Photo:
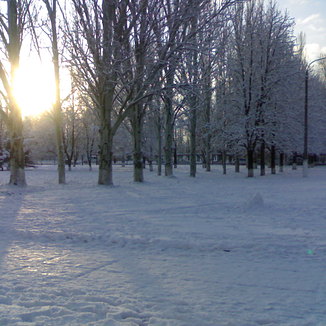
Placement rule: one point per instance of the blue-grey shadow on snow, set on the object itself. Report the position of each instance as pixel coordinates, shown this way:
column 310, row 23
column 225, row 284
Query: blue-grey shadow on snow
column 11, row 201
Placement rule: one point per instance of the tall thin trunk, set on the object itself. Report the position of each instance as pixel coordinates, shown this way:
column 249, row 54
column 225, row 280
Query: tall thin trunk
column 250, row 162
column 60, row 148
column 273, row 164
column 139, row 108
column 208, row 154
column 123, row 159
column 57, row 113
column 169, row 121
column 168, row 139
column 106, row 141
column 105, row 175
column 159, row 145
column 281, row 161
column 17, row 157
column 294, row 161
column 175, row 155
column 193, row 127
column 237, row 164
column 255, row 160
column 224, row 161
column 207, row 113
column 203, row 157
column 89, row 148
column 137, row 139
column 262, row 159
column 150, row 160
column 105, row 156
column 194, row 72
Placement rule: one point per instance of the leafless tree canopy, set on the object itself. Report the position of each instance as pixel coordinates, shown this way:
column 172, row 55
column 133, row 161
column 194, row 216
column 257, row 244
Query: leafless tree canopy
column 160, row 80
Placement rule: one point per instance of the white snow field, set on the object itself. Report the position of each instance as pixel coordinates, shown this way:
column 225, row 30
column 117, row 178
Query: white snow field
column 210, row 251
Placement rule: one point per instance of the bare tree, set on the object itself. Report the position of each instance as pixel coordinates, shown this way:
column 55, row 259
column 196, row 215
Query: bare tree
column 262, row 47
column 56, row 110
column 194, row 98
column 71, row 132
column 89, row 135
column 12, row 26
column 117, row 50
column 199, row 16
column 107, row 56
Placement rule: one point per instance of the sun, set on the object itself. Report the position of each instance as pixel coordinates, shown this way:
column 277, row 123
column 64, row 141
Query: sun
column 34, row 87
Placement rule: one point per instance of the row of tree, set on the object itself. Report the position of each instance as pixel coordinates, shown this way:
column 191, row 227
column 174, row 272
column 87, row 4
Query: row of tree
column 222, row 76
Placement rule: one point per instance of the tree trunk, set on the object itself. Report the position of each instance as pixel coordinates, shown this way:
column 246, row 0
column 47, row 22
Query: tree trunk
column 105, row 165
column 294, row 161
column 193, row 154
column 75, row 159
column 203, row 157
column 138, row 165
column 169, row 118
column 106, row 97
column 168, row 137
column 175, row 156
column 150, row 162
column 194, row 74
column 262, row 159
column 273, row 164
column 137, row 139
column 237, row 164
column 281, row 161
column 60, row 147
column 208, row 154
column 57, row 113
column 159, row 150
column 207, row 112
column 250, row 162
column 17, row 157
column 224, row 161
column 255, row 161
column 105, row 153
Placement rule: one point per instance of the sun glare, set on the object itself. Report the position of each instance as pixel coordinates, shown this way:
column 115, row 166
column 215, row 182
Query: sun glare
column 34, row 88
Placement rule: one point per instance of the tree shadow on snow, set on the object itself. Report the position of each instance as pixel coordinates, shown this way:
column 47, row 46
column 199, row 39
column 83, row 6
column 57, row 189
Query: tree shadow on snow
column 11, row 200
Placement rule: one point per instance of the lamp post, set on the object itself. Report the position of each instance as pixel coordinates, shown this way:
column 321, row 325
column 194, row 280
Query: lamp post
column 305, row 146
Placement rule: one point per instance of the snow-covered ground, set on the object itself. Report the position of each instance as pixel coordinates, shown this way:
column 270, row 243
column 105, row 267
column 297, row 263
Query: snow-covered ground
column 210, row 251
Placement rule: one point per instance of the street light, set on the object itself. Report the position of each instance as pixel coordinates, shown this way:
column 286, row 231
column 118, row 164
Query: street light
column 305, row 148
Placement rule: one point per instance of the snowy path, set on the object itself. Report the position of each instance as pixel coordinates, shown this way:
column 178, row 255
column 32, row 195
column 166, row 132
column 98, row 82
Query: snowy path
column 169, row 252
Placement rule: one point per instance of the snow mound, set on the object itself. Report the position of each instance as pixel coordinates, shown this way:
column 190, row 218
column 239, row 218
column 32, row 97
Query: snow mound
column 256, row 202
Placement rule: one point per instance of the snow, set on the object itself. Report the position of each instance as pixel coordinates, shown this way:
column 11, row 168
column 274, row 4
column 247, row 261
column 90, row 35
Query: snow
column 206, row 251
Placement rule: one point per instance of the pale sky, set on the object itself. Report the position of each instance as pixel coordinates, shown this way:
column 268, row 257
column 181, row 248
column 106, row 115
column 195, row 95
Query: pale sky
column 310, row 18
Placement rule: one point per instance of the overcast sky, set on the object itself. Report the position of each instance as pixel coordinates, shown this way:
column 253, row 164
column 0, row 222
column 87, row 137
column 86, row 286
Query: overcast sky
column 310, row 18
